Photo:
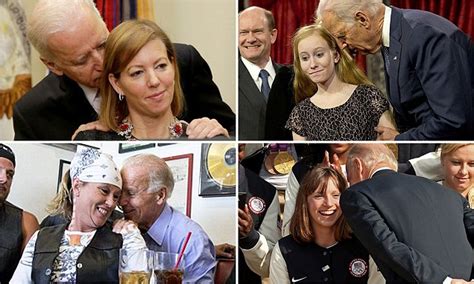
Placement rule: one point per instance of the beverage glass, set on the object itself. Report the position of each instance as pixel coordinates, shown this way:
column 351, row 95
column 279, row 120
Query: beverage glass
column 165, row 268
column 135, row 266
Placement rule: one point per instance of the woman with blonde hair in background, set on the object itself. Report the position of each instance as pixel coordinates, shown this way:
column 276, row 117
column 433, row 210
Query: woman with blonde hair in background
column 335, row 99
column 86, row 248
column 457, row 161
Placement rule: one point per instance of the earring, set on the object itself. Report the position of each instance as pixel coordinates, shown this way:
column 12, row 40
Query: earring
column 120, row 97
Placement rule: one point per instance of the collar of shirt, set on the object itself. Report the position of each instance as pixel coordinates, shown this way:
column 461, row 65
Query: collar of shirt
column 254, row 71
column 92, row 97
column 386, row 27
column 380, row 169
column 157, row 231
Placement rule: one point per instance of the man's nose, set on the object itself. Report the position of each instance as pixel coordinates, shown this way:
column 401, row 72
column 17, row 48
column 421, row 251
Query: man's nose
column 98, row 58
column 251, row 37
column 342, row 43
column 123, row 200
column 3, row 175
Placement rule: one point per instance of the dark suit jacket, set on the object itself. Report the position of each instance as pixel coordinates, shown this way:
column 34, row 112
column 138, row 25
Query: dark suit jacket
column 415, row 229
column 56, row 106
column 281, row 102
column 430, row 78
column 252, row 106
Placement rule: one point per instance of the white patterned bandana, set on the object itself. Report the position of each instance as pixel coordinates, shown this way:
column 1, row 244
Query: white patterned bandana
column 90, row 165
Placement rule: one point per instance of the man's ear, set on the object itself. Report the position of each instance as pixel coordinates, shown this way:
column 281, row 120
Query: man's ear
column 359, row 169
column 274, row 34
column 362, row 19
column 53, row 67
column 115, row 84
column 161, row 196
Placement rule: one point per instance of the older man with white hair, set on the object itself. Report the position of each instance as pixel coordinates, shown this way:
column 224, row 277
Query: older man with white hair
column 416, row 230
column 70, row 37
column 428, row 65
column 147, row 184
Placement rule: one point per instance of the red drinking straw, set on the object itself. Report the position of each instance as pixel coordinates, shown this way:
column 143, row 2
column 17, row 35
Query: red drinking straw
column 182, row 250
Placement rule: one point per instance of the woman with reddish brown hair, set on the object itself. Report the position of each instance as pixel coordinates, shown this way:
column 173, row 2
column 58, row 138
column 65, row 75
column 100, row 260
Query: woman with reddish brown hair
column 141, row 97
column 320, row 247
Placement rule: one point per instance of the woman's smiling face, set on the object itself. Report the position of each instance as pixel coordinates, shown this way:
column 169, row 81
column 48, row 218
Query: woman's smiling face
column 323, row 206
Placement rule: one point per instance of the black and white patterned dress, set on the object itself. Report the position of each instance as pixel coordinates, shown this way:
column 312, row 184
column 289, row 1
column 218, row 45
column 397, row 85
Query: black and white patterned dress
column 353, row 120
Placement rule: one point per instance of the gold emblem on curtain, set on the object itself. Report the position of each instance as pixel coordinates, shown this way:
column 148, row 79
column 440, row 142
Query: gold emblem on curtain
column 15, row 74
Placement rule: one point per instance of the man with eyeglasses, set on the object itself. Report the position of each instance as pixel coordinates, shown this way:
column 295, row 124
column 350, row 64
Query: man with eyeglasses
column 147, row 184
column 16, row 225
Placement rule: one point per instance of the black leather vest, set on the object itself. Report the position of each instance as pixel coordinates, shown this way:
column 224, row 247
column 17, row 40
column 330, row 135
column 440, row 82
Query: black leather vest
column 345, row 262
column 11, row 238
column 98, row 262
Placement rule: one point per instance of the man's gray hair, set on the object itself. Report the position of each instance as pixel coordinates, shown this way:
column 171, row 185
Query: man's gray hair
column 371, row 155
column 159, row 173
column 345, row 9
column 52, row 16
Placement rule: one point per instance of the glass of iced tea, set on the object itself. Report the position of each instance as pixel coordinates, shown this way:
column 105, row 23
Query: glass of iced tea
column 135, row 266
column 165, row 269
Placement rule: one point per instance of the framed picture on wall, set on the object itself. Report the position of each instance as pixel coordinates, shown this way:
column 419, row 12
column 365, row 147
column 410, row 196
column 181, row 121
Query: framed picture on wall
column 218, row 169
column 63, row 168
column 134, row 146
column 182, row 168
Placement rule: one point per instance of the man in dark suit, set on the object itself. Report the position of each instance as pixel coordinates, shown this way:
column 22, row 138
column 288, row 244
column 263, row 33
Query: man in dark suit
column 67, row 98
column 428, row 65
column 281, row 102
column 416, row 230
column 257, row 71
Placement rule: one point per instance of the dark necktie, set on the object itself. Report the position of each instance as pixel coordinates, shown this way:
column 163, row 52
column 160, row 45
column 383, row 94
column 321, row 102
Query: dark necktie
column 265, row 86
column 386, row 59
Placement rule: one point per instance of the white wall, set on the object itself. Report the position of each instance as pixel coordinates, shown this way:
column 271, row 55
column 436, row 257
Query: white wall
column 36, row 176
column 209, row 25
column 34, row 184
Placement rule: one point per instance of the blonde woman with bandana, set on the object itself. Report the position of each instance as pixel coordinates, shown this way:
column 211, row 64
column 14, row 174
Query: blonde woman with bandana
column 86, row 249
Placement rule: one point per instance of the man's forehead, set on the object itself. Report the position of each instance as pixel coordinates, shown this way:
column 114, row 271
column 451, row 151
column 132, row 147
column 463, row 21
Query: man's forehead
column 6, row 164
column 331, row 22
column 134, row 175
column 253, row 17
column 67, row 45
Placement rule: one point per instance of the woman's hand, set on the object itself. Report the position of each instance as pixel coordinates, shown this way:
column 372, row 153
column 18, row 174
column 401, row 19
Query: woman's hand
column 203, row 128
column 95, row 125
